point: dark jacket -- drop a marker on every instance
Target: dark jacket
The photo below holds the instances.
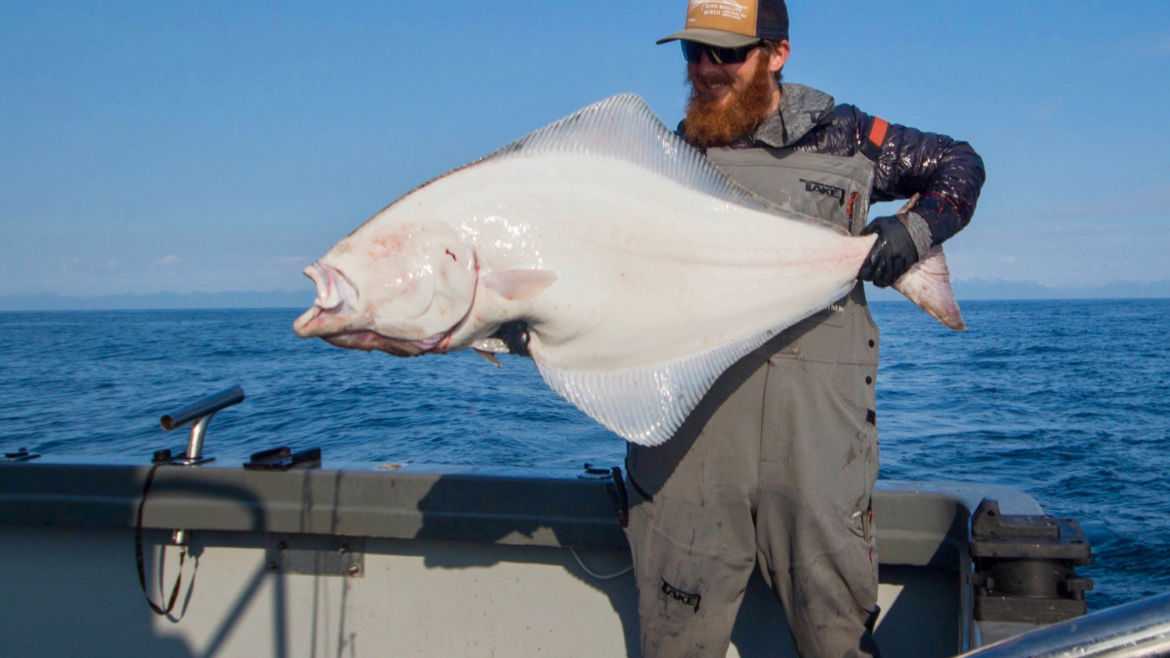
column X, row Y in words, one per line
column 946, row 172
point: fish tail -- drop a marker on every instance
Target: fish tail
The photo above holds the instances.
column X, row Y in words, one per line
column 928, row 285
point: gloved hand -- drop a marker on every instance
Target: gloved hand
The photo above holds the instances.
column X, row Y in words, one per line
column 892, row 254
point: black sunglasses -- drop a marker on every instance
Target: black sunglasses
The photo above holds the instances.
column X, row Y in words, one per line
column 693, row 51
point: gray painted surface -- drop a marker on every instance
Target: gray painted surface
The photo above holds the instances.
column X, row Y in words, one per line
column 428, row 561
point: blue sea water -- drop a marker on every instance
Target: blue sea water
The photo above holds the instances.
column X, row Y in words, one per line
column 1068, row 401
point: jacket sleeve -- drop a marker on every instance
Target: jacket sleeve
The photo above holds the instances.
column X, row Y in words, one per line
column 947, row 173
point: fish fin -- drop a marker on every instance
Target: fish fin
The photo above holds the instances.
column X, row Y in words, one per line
column 625, row 128
column 928, row 284
column 491, row 358
column 518, row 284
column 646, row 405
column 491, row 345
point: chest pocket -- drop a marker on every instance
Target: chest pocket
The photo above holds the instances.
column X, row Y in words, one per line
column 833, row 188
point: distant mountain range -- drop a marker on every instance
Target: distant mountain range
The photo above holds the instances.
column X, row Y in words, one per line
column 968, row 289
column 160, row 300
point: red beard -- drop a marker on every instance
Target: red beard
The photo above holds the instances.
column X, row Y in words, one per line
column 715, row 121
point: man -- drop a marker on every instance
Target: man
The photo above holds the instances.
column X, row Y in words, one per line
column 778, row 462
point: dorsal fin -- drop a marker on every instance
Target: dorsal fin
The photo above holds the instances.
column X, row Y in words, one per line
column 624, row 127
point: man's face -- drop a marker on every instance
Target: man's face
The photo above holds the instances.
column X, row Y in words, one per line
column 728, row 101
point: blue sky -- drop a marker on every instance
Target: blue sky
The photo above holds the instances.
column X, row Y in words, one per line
column 218, row 146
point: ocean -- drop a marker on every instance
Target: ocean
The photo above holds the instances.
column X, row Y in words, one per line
column 1066, row 400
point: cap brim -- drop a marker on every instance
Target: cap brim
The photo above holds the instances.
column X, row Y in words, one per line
column 717, row 38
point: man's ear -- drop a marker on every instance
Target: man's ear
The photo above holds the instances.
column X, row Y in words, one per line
column 779, row 56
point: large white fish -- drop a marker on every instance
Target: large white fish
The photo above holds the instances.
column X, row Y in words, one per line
column 641, row 271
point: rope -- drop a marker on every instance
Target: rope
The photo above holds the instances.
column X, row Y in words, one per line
column 596, row 575
column 159, row 610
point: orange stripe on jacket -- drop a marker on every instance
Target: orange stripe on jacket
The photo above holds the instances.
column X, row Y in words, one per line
column 877, row 131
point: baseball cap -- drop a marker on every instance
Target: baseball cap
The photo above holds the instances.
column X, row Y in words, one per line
column 733, row 23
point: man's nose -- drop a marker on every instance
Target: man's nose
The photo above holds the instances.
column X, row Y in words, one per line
column 706, row 64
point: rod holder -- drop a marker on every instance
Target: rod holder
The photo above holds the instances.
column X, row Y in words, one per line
column 201, row 412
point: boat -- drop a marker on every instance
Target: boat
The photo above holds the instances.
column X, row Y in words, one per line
column 290, row 554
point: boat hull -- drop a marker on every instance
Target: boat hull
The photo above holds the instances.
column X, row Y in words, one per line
column 358, row 560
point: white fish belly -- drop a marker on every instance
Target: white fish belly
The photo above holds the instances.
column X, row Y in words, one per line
column 647, row 269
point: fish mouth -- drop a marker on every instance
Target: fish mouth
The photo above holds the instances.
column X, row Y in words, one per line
column 328, row 319
column 368, row 341
column 334, row 294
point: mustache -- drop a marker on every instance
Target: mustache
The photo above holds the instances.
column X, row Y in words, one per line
column 716, row 77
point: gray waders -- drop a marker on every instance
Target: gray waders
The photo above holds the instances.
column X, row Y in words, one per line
column 776, row 465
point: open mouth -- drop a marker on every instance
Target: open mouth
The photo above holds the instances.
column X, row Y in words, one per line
column 334, row 292
column 333, row 319
column 368, row 340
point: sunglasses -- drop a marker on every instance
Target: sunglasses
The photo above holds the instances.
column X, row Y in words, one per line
column 693, row 51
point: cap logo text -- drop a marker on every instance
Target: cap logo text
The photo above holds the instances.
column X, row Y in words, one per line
column 726, row 15
column 720, row 8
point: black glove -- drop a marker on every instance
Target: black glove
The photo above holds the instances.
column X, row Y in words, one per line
column 893, row 253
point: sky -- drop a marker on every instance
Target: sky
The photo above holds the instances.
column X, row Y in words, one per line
column 222, row 146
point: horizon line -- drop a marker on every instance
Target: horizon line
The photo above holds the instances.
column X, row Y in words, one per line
column 892, row 299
